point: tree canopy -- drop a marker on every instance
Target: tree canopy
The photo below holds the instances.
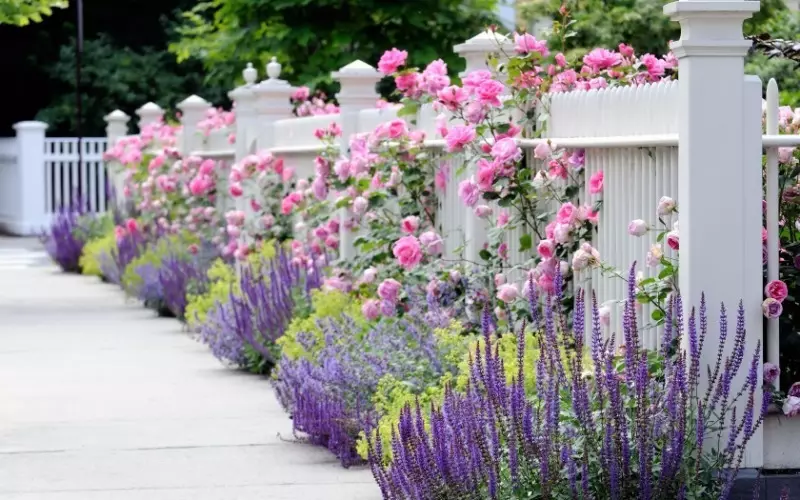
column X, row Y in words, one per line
column 24, row 12
column 311, row 38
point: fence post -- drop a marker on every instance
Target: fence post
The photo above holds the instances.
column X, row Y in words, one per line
column 193, row 109
column 272, row 104
column 116, row 127
column 33, row 216
column 357, row 80
column 476, row 51
column 719, row 187
column 149, row 113
column 244, row 99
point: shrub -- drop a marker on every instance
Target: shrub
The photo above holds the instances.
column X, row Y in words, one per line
column 634, row 429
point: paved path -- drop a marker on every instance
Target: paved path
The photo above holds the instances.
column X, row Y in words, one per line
column 99, row 400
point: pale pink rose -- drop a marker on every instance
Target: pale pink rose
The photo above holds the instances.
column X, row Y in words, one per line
column 605, row 315
column 596, row 183
column 391, row 60
column 637, row 227
column 432, row 242
column 584, row 257
column 598, row 83
column 388, row 290
column 410, row 224
column 499, row 279
column 666, row 206
column 506, row 151
column 360, row 205
column 459, row 136
column 786, row 155
column 567, row 214
column 561, row 233
column 407, row 252
column 500, row 313
column 469, row 192
column 320, row 188
column 673, row 240
column 371, row 309
column 777, row 290
column 771, row 308
column 546, row 249
column 791, row 406
column 542, row 151
column 527, row 43
column 654, row 255
column 507, row 293
column 369, row 275
column 483, row 211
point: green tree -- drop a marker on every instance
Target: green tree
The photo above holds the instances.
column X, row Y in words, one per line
column 119, row 77
column 24, row 12
column 311, row 38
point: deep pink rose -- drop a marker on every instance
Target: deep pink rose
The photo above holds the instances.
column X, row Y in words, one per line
column 407, row 251
column 397, row 128
column 673, row 240
column 567, row 214
column 488, row 92
column 410, row 224
column 452, row 97
column 485, row 175
column 596, row 183
column 546, row 249
column 391, row 60
column 777, row 290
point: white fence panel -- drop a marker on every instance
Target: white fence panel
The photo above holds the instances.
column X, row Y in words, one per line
column 9, row 182
column 70, row 184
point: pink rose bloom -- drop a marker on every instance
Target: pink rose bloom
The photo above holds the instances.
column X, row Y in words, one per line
column 777, row 290
column 475, row 112
column 369, row 275
column 473, row 79
column 791, row 407
column 434, row 77
column 371, row 309
column 673, row 240
column 485, row 175
column 319, row 188
column 360, row 205
column 546, row 283
column 440, row 179
column 407, row 252
column 596, row 183
column 410, row 224
column 452, row 97
column 567, row 214
column 483, row 211
column 488, row 92
column 771, row 308
column 397, row 128
column 286, row 206
column 655, row 66
column 666, row 206
column 459, row 136
column 506, row 151
column 542, row 151
column 469, row 192
column 600, row 59
column 432, row 242
column 637, row 227
column 625, row 50
column 546, row 249
column 391, row 60
column 771, row 373
column 408, row 83
column 389, row 289
column 131, row 225
column 507, row 293
column 598, row 83
column 527, row 43
column 503, row 218
column 236, row 190
column 301, row 94
column 561, row 233
column 786, row 155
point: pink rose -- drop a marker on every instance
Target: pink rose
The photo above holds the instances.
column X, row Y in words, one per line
column 527, row 43
column 485, row 175
column 432, row 242
column 391, row 60
column 506, row 151
column 369, row 275
column 236, row 190
column 666, row 206
column 771, row 308
column 596, row 183
column 389, row 289
column 397, row 129
column 407, row 252
column 604, row 313
column 673, row 240
column 507, row 293
column 483, row 211
column 452, row 97
column 469, row 192
column 791, row 407
column 771, row 373
column 546, row 249
column 503, row 218
column 410, row 224
column 785, row 155
column 360, row 205
column 567, row 214
column 488, row 92
column 600, row 59
column 371, row 309
column 637, row 227
column 777, row 290
column 542, row 151
column 459, row 136
column 131, row 225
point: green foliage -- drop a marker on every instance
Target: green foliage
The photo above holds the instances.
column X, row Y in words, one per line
column 115, row 77
column 94, row 250
column 179, row 243
column 311, row 38
column 324, row 304
column 24, row 12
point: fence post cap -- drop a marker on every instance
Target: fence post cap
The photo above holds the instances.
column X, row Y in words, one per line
column 486, row 41
column 274, row 68
column 148, row 108
column 356, row 68
column 250, row 74
column 193, row 102
column 117, row 115
column 30, row 125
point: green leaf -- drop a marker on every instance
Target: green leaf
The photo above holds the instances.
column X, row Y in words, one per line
column 485, row 255
column 525, row 242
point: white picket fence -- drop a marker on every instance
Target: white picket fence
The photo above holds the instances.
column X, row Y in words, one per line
column 40, row 175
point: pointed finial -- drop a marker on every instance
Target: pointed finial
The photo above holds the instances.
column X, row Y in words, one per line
column 250, row 74
column 274, row 69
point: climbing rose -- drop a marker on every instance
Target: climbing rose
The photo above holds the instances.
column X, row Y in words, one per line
column 507, row 293
column 388, row 290
column 666, row 206
column 600, row 59
column 469, row 192
column 371, row 309
column 771, row 372
column 777, row 290
column 391, row 60
column 483, row 211
column 407, row 251
column 432, row 242
column 506, row 151
column 673, row 240
column 771, row 308
column 527, row 43
column 546, row 248
column 542, row 151
column 410, row 224
column 459, row 136
column 596, row 183
column 360, row 205
column 637, row 227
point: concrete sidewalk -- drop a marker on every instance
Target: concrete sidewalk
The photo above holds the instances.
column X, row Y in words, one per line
column 100, row 400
